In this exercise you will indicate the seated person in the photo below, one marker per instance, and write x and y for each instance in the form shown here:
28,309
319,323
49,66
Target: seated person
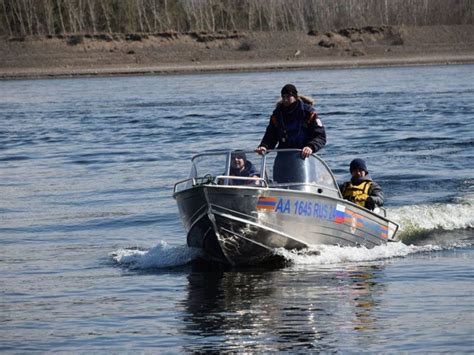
361,189
240,166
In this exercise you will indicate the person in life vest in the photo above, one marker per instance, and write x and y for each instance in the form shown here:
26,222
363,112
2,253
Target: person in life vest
294,124
240,166
361,189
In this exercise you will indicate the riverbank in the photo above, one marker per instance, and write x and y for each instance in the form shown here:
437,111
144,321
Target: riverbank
172,53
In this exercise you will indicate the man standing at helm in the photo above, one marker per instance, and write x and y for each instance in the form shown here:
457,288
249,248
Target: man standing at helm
294,124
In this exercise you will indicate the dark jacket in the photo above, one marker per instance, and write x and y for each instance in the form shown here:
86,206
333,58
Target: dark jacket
296,126
375,192
248,171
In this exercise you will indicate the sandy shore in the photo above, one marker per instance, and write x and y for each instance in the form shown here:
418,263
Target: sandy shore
214,67
91,55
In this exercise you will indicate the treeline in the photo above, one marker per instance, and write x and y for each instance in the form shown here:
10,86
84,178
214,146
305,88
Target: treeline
58,17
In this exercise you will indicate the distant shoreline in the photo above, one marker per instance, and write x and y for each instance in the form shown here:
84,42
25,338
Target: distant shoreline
230,68
32,73
86,56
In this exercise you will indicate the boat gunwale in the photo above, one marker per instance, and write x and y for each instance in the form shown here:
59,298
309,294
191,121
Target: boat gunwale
308,194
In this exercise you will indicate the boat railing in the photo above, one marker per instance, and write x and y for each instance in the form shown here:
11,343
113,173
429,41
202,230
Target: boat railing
229,180
304,186
184,184
282,168
381,211
244,181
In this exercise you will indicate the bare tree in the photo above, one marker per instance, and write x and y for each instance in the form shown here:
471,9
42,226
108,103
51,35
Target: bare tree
30,17
106,13
7,18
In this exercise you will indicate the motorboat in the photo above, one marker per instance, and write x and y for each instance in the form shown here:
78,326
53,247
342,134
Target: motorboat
292,203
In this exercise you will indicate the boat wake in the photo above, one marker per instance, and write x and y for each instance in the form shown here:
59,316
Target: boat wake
159,257
439,224
423,228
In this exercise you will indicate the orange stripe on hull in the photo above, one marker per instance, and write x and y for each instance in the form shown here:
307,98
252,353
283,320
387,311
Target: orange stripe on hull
265,207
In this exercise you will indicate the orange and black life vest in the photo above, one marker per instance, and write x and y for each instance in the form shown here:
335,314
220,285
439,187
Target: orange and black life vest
357,193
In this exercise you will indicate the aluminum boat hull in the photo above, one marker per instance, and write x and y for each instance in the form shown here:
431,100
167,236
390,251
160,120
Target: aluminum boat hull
233,225
300,206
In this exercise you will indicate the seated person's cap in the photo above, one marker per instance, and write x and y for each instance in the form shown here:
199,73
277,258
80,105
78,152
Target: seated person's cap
239,155
358,164
289,89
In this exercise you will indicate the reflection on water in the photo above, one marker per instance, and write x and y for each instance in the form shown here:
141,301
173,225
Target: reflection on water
281,310
88,168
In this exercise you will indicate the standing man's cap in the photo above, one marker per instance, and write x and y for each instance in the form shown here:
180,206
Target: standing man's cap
289,89
358,164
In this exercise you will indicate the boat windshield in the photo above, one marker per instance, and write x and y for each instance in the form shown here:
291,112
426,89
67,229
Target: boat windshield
278,168
287,168
225,169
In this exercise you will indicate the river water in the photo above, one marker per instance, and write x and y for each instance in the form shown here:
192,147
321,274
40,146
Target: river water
93,253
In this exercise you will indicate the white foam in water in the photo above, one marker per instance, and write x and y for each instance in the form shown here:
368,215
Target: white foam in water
412,219
332,254
161,256
437,216
469,196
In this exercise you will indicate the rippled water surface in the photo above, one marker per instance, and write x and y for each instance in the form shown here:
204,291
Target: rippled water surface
94,257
